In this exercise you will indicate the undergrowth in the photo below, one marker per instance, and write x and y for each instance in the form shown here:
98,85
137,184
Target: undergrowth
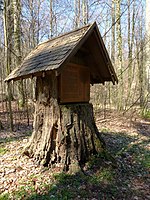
100,179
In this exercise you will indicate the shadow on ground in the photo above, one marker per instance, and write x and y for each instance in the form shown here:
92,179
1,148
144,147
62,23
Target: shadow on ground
143,128
8,136
101,180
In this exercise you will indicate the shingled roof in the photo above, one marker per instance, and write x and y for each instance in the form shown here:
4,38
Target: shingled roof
55,53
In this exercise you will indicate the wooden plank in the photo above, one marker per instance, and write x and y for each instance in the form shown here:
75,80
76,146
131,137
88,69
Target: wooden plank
106,58
79,44
74,84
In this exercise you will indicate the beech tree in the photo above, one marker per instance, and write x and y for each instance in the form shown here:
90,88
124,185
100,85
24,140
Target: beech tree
44,19
77,5
85,11
17,45
113,32
147,63
119,54
8,25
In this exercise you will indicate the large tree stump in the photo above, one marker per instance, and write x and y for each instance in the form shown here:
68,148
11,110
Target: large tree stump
63,135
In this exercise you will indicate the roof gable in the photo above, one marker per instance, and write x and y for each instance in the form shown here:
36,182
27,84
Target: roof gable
57,52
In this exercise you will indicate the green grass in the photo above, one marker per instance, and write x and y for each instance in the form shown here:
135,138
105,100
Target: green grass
4,197
105,130
22,193
11,139
146,114
141,155
3,150
101,179
104,176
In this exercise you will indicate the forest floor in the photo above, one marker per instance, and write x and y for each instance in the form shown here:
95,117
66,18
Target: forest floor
128,141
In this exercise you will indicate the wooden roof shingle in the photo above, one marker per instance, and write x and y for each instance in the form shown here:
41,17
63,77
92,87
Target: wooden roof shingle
54,53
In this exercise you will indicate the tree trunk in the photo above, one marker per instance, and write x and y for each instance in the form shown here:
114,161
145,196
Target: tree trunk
147,49
131,37
119,56
8,50
77,5
17,46
64,135
113,32
33,39
51,18
85,12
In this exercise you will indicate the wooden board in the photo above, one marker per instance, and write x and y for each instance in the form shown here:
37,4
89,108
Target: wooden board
74,84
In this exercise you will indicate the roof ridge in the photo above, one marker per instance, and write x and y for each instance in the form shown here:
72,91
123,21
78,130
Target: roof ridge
54,38
64,34
55,53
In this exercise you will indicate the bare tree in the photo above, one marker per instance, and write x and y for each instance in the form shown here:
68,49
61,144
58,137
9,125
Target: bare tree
17,46
131,37
77,5
85,11
147,63
51,18
113,32
8,49
119,54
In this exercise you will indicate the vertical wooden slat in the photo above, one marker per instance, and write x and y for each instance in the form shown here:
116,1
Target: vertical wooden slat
75,84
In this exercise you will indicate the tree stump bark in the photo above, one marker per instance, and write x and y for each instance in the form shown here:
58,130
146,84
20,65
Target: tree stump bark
64,135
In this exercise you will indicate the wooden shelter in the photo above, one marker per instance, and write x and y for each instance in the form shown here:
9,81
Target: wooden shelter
64,128
77,58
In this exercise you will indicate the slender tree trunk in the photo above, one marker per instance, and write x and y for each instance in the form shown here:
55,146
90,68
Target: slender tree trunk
139,47
64,135
8,47
85,11
147,39
141,62
77,5
9,106
1,72
51,18
33,25
17,46
17,30
131,33
119,55
113,33
129,45
38,22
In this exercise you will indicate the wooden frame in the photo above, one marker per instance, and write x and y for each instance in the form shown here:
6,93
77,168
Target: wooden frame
74,84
